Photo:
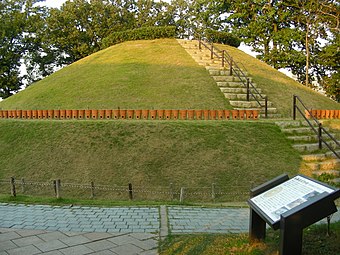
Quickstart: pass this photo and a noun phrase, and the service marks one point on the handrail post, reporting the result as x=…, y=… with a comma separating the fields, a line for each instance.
x=199, y=44
x=320, y=135
x=294, y=107
x=212, y=51
x=248, y=97
x=222, y=58
x=266, y=107
x=231, y=66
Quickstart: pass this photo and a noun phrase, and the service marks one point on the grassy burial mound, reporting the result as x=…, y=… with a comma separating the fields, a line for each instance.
x=155, y=74
x=234, y=155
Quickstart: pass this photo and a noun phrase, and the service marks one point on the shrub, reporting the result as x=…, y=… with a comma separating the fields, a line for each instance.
x=222, y=37
x=143, y=33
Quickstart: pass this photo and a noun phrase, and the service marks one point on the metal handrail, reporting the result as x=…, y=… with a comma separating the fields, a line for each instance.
x=225, y=57
x=319, y=131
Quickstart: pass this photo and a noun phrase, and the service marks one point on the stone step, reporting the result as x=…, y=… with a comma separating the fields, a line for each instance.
x=310, y=147
x=298, y=130
x=307, y=138
x=335, y=173
x=233, y=96
x=239, y=90
x=248, y=104
x=223, y=78
x=319, y=156
x=336, y=180
x=232, y=84
x=330, y=164
x=292, y=123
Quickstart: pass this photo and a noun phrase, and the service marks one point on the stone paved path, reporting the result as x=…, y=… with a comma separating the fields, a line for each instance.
x=208, y=220
x=36, y=229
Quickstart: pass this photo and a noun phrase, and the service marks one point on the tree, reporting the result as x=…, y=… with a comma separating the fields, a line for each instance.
x=17, y=18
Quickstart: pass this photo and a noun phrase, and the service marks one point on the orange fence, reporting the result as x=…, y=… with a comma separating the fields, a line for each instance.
x=132, y=114
x=323, y=114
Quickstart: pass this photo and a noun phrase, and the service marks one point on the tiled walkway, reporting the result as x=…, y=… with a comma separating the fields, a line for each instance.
x=36, y=229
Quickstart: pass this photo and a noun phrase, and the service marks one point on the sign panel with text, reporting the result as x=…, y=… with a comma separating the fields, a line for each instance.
x=286, y=196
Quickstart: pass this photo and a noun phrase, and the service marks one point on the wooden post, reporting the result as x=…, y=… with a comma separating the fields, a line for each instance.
x=181, y=197
x=92, y=189
x=22, y=185
x=130, y=192
x=212, y=51
x=13, y=190
x=213, y=191
x=171, y=191
x=57, y=186
x=222, y=58
x=231, y=67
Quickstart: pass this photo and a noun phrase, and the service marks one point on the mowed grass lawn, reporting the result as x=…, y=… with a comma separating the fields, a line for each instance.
x=233, y=154
x=155, y=74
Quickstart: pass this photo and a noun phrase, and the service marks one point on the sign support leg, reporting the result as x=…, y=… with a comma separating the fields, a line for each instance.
x=290, y=237
x=257, y=227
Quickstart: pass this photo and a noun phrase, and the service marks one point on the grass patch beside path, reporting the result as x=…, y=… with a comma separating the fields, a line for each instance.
x=233, y=154
x=315, y=242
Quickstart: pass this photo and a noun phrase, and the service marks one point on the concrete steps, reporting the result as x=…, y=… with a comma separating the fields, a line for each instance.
x=315, y=162
x=232, y=86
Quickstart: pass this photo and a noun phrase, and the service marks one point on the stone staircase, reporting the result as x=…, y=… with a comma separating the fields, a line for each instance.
x=230, y=85
x=315, y=162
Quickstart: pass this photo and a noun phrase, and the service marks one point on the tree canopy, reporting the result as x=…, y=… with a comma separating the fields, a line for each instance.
x=302, y=36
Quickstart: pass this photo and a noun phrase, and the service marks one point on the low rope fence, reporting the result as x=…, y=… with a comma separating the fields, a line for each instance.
x=59, y=189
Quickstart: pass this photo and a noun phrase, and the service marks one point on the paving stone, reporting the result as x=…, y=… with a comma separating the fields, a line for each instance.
x=26, y=250
x=123, y=239
x=56, y=252
x=100, y=245
x=7, y=245
x=127, y=249
x=75, y=240
x=50, y=245
x=98, y=236
x=9, y=236
x=146, y=244
x=76, y=250
x=27, y=241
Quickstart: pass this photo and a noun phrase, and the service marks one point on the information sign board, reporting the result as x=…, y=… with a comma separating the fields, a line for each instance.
x=291, y=205
x=284, y=197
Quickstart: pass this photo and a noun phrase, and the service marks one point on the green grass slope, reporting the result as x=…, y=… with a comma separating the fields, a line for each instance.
x=234, y=155
x=277, y=86
x=140, y=74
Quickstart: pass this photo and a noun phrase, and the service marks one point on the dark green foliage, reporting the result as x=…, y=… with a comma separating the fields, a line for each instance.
x=17, y=20
x=143, y=33
x=222, y=37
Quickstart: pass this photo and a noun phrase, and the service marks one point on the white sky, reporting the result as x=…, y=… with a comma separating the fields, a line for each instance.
x=54, y=3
